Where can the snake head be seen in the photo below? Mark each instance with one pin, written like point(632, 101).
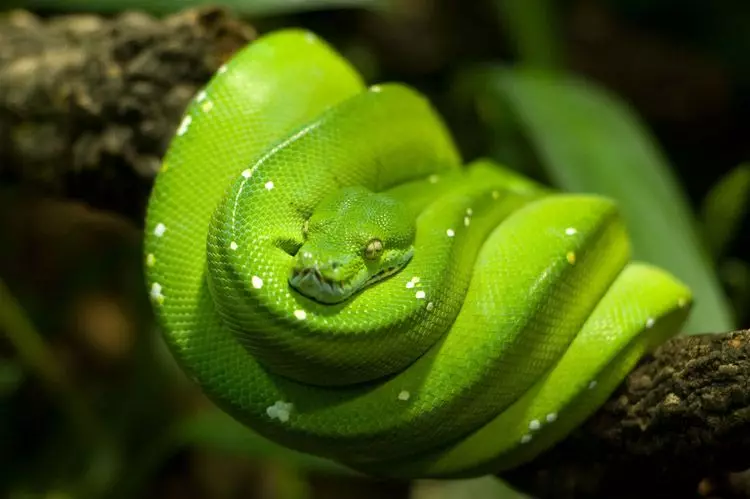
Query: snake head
point(353, 239)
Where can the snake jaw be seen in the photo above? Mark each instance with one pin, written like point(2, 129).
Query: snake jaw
point(311, 282)
point(319, 282)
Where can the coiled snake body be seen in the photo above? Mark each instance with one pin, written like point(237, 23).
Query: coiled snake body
point(328, 271)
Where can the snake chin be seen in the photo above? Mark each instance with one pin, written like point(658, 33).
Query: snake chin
point(310, 282)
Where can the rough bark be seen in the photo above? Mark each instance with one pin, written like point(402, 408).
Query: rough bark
point(677, 427)
point(88, 104)
point(87, 108)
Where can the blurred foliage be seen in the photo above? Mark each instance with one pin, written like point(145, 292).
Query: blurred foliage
point(214, 429)
point(91, 403)
point(589, 141)
point(724, 207)
point(532, 28)
point(477, 488)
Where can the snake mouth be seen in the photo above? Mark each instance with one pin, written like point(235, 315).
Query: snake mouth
point(310, 282)
point(382, 274)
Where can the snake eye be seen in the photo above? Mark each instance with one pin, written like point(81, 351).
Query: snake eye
point(373, 249)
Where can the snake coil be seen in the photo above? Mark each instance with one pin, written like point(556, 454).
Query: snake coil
point(327, 270)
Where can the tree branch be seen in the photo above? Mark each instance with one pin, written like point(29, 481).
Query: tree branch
point(677, 426)
point(87, 109)
point(88, 105)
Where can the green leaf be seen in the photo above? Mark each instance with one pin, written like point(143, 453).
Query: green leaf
point(724, 207)
point(736, 276)
point(588, 140)
point(533, 27)
point(254, 8)
point(478, 488)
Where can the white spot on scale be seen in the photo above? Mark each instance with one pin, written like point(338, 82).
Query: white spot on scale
point(160, 229)
point(222, 69)
point(430, 306)
point(420, 295)
point(201, 96)
point(269, 185)
point(650, 322)
point(404, 395)
point(570, 231)
point(410, 284)
point(526, 439)
point(592, 385)
point(376, 88)
point(247, 173)
point(467, 221)
point(450, 232)
point(310, 37)
point(534, 425)
point(258, 282)
point(433, 179)
point(300, 315)
point(156, 293)
point(233, 246)
point(551, 417)
point(150, 260)
point(280, 410)
point(184, 125)
point(207, 106)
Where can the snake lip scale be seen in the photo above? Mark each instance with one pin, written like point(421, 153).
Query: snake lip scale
point(311, 282)
point(473, 318)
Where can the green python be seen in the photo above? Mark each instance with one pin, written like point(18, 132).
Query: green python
point(327, 269)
